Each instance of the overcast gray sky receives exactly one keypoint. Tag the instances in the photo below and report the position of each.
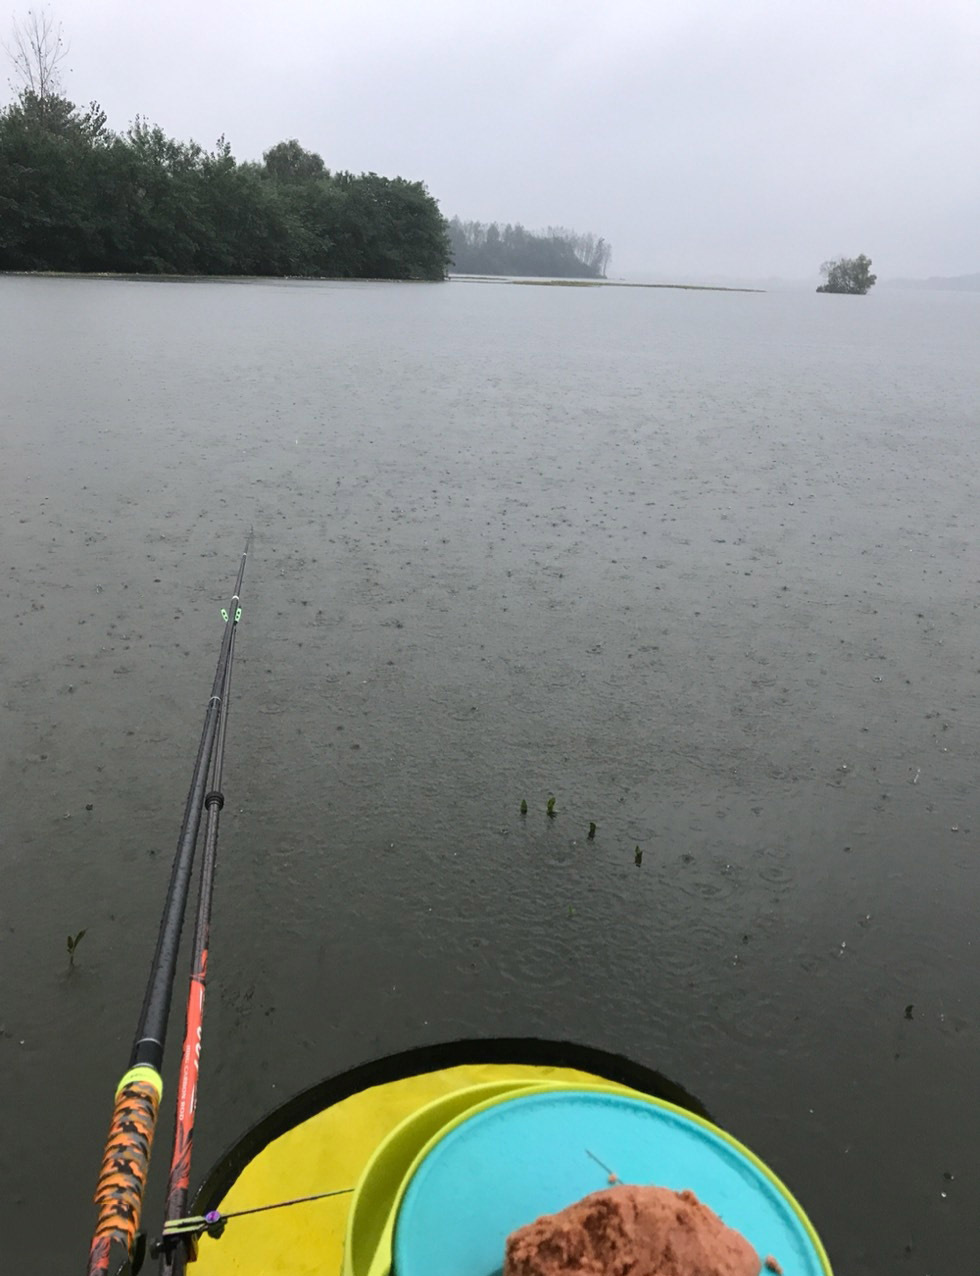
(700, 137)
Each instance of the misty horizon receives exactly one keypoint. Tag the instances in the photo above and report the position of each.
(748, 144)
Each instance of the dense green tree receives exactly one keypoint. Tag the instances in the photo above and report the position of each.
(480, 249)
(75, 196)
(288, 162)
(849, 275)
(389, 226)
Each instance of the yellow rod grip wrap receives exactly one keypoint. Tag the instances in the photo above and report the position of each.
(122, 1179)
(143, 1072)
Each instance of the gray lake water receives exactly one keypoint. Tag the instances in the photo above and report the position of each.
(703, 566)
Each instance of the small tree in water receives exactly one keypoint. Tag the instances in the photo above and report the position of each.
(848, 274)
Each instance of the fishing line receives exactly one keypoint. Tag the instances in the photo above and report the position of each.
(213, 1222)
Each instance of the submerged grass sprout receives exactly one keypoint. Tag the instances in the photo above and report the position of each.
(72, 944)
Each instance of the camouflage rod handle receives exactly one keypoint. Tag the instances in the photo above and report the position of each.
(122, 1179)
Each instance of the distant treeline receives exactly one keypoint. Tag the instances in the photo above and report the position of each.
(75, 196)
(480, 249)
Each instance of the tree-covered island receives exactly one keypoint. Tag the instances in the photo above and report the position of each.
(77, 197)
(851, 275)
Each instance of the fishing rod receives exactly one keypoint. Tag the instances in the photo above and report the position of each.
(125, 1161)
(175, 1253)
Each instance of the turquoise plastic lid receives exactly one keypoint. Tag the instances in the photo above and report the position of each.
(530, 1156)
